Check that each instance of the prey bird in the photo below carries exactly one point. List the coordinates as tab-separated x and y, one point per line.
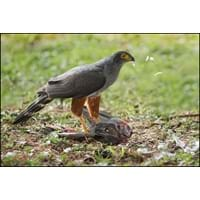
109	130
84	84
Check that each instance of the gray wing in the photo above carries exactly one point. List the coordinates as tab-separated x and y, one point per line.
76	83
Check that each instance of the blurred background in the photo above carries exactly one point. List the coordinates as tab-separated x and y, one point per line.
165	79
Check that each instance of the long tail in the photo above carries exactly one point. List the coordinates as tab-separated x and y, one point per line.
37	105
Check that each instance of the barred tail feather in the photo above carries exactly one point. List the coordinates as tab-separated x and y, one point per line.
37	105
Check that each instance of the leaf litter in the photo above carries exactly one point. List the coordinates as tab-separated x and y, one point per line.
155	142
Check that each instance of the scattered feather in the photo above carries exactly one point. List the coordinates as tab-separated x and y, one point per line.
48	142
68	149
178	142
22	142
163	154
30	154
144	151
54	134
149	58
162	146
45	153
158	73
10	154
194	148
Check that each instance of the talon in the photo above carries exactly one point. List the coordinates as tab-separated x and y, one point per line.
96	120
85	130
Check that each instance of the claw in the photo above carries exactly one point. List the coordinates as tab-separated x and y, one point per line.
96	120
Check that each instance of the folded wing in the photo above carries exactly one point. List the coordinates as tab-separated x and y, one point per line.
76	84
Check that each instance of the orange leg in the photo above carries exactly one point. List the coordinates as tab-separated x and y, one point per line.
77	109
93	107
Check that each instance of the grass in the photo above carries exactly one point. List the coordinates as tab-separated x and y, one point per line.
28	61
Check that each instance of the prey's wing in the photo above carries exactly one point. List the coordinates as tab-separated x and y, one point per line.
76	83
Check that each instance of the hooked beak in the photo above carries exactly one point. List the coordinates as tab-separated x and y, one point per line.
132	61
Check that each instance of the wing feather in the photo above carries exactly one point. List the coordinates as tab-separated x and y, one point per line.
76	83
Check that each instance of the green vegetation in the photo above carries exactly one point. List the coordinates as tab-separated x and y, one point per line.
164	82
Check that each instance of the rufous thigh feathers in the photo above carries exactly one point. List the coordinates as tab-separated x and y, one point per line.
77	106
77	109
93	107
92	104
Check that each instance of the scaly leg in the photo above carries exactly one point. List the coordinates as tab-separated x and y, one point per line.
93	107
77	109
84	126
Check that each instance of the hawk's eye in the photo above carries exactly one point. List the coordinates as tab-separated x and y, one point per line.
107	130
124	56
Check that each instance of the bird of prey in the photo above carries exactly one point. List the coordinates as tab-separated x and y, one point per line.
84	84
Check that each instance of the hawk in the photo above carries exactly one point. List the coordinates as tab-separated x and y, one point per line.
84	84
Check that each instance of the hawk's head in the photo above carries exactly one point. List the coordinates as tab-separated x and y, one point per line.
122	57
